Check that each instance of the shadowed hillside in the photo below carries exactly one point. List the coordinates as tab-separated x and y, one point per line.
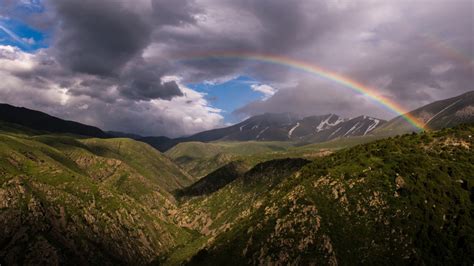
43	122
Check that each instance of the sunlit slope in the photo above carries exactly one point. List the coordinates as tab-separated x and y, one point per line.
85	201
199	158
401	200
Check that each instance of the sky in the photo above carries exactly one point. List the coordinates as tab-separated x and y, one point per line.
155	67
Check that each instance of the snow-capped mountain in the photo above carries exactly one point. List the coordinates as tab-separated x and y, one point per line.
271	127
341	128
282	127
312	129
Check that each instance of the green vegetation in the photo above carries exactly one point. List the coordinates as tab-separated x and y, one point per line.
200	159
92	201
403	200
407	200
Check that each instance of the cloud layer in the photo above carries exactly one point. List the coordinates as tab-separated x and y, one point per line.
109	62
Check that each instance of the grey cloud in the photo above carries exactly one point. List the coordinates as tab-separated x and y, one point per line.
271	27
107	39
171	12
312	97
142	80
99	37
112	55
401	42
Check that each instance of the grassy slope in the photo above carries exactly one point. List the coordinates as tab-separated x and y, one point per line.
231	205
200	159
63	198
405	200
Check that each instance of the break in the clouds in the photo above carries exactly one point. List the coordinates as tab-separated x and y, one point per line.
109	62
267	90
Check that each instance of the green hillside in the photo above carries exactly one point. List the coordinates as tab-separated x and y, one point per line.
200	159
403	200
85	201
407	200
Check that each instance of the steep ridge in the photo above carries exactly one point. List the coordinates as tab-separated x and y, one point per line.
215	180
407	200
441	114
316	129
231	205
86	201
43	122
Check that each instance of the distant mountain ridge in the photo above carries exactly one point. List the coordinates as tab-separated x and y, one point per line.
280	127
43	122
265	127
269	126
314	129
437	115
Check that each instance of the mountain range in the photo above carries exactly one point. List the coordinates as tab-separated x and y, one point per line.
72	194
268	126
316	129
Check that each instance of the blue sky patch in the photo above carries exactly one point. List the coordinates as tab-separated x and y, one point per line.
16	33
229	95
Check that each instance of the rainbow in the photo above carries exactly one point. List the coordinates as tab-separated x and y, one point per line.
448	51
317	71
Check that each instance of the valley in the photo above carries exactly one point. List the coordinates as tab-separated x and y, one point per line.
67	198
240	132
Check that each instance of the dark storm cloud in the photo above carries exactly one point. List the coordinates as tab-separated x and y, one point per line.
272	27
111	56
107	39
410	52
99	37
140	82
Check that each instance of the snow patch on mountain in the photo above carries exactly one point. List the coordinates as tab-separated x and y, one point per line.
293	129
325	124
261	132
335	131
372	126
354	127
